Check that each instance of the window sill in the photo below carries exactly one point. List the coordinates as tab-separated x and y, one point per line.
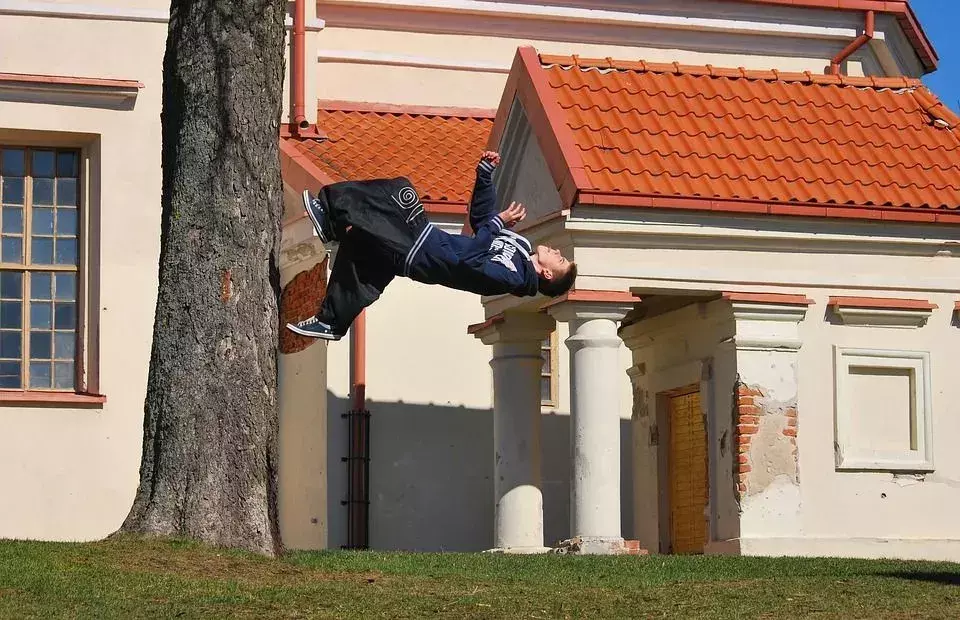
50	398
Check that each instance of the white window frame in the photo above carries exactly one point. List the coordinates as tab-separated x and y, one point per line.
849	458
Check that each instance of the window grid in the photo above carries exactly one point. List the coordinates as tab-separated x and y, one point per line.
39	268
548	371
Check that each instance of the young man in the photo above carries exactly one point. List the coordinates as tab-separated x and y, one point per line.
383	233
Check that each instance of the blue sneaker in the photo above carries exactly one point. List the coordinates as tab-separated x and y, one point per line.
318	215
314	328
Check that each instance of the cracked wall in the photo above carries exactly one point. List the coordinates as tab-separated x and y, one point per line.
766	441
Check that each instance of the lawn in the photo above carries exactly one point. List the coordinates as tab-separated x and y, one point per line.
131	578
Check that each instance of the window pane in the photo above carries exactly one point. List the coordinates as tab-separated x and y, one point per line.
10	344
67	192
42	251
11	249
10	375
67	164
11	285
66	251
545	368
43	164
43	221
13	220
40	284
11	314
65	345
41	345
63	375
545	388
67	222
66	286
40	374
12	163
13	190
65	316
41	315
43	191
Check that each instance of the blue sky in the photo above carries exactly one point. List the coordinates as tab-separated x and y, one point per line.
939	19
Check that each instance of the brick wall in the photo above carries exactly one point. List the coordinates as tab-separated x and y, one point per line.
778	421
299	300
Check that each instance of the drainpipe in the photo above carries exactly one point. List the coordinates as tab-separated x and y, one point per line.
358	442
299	55
854	45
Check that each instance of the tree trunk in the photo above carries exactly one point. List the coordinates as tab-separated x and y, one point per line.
210	428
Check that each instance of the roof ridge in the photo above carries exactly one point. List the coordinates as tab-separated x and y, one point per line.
771	75
366	107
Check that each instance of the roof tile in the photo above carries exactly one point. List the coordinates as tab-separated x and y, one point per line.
437	149
673	130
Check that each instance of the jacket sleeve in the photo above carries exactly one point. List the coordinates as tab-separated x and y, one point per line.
483	204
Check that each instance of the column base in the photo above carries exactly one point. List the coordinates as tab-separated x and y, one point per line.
520	550
599	545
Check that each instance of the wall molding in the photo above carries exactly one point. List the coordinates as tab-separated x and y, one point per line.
109	13
362	57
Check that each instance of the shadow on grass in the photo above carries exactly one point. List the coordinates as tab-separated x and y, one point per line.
946	578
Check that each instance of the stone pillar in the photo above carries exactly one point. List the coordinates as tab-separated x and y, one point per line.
766	483
516	363
595	378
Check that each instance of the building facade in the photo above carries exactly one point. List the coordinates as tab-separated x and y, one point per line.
470	449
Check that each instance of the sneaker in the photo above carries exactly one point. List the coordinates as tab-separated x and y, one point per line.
318	215
314	328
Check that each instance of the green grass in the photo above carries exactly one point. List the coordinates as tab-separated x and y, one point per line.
132	578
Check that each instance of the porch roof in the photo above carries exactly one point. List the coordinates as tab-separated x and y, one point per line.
639	134
436	148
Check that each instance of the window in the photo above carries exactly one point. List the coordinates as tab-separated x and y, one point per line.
548	372
39	268
883	416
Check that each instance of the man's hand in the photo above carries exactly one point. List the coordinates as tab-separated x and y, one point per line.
491	156
513	214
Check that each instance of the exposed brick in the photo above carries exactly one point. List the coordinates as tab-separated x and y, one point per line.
745	400
749	419
745	468
790	432
300	299
747	429
750	410
792	421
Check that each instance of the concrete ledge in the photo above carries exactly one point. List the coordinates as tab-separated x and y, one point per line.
932	549
520	550
598	545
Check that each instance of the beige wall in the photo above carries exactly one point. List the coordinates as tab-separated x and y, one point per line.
71	474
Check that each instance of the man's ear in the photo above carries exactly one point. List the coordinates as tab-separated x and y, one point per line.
546	274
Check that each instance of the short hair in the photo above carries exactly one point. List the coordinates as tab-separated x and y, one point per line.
558	286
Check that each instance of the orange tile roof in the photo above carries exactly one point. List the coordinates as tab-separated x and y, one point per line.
436	148
643	134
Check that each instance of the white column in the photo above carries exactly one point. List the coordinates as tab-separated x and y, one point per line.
595	381
516	363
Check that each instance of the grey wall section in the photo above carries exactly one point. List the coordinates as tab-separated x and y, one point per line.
431	476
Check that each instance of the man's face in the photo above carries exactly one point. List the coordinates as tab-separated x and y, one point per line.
552	262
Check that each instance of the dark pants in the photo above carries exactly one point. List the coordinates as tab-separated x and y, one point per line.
384	218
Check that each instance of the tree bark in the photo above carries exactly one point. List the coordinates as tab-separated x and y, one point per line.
210	425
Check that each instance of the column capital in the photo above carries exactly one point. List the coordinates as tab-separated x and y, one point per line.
767	321
583	304
509	327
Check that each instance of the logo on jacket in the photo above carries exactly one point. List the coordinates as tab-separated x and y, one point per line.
504	254
408	200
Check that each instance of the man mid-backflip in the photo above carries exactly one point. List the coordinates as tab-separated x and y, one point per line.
383	233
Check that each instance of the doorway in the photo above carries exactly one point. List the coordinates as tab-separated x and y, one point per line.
687	472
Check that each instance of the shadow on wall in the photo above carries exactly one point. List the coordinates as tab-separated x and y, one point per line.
431	476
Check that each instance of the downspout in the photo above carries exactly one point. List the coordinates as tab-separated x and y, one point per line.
854	45
299	56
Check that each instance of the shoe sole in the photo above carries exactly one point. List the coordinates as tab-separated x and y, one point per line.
302	332
316	225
